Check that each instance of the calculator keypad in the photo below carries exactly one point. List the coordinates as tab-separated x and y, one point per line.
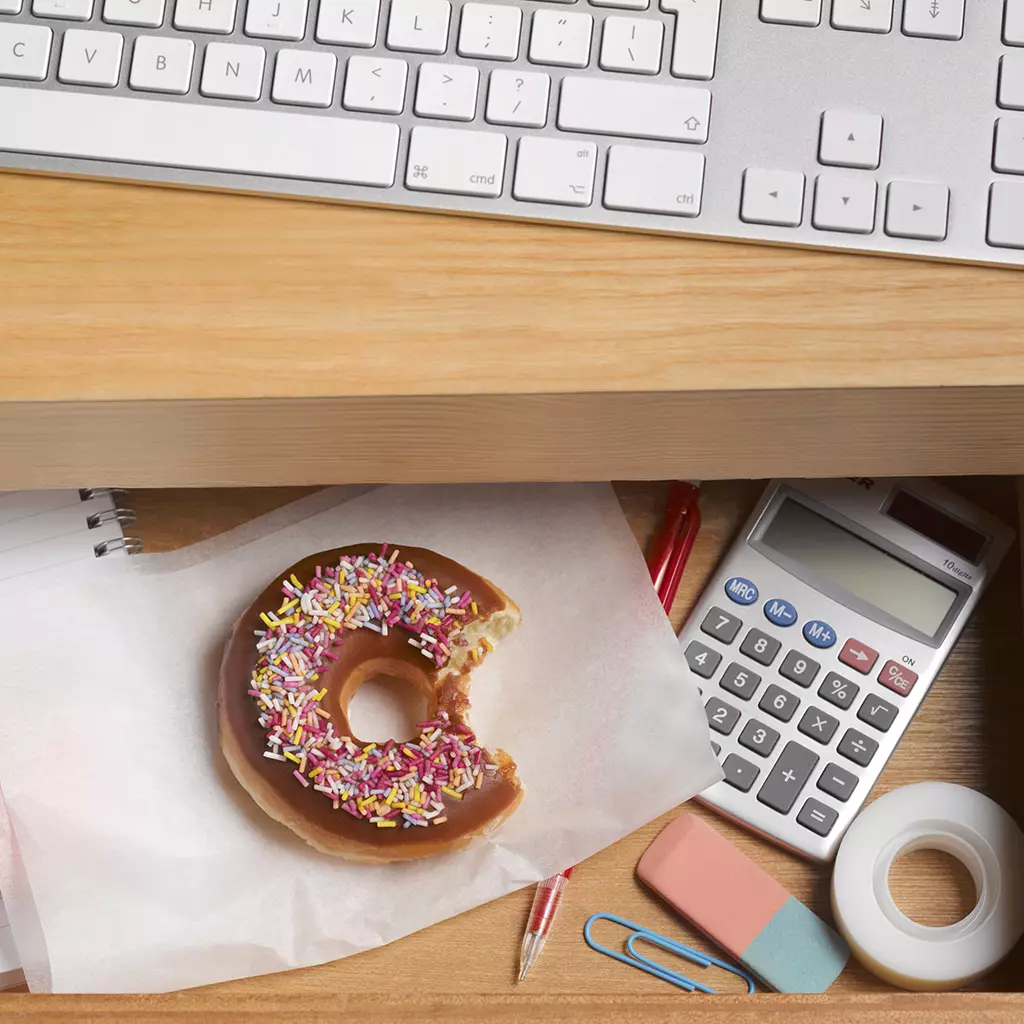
739	681
796	735
759	738
818	725
779	703
760	647
857	747
798	668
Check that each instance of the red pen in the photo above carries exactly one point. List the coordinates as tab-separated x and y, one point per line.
666	562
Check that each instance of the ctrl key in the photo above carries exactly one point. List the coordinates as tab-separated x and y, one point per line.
651	180
1006	215
454	160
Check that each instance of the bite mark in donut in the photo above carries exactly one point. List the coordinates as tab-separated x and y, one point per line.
305	646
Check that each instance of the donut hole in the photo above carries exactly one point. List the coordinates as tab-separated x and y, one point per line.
384	701
932	887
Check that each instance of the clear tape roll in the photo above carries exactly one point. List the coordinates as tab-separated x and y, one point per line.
936	816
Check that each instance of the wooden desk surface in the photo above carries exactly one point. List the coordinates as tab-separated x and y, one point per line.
979	690
151	336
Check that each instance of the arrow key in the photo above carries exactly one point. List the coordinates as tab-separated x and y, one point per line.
843	202
850	140
917	209
772	197
858	656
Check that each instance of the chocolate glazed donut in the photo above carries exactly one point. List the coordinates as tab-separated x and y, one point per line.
301	650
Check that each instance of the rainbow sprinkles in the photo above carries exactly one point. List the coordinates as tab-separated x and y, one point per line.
394	783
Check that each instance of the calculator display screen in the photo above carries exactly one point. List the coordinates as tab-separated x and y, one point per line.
860	568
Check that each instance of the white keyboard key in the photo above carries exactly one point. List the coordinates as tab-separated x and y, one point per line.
304	77
447	90
772	197
10	6
934	19
233	72
850	140
560	38
1011	80
420	26
276	19
695	43
68	10
145	13
205	136
625	5
490	31
1009	152
791	12
636	109
844	203
162	64
90	58
375	84
1006	215
348	22
205	15
24	51
917	209
863	15
654	180
469	163
631	44
1013	23
555	171
518	97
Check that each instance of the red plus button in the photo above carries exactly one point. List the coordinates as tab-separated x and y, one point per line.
858	656
899	679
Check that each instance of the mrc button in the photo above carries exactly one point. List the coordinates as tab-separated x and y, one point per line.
897	677
740	590
819	634
782	613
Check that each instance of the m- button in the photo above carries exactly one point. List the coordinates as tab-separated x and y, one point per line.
858	656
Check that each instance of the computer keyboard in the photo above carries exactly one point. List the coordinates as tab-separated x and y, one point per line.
886	126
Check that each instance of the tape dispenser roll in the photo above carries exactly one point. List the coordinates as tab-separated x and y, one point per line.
935	816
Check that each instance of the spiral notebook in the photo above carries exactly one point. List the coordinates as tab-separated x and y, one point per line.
41	530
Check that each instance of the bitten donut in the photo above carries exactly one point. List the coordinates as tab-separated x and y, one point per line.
299	653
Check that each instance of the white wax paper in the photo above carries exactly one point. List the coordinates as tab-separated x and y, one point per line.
137	861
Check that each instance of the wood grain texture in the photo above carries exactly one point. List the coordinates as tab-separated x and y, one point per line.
698	435
966	732
116	294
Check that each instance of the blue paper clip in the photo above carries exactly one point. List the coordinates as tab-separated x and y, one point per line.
643	963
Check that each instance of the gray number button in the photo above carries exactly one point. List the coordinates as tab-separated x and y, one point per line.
740	681
701	659
837	782
779	703
721	717
857	747
760	646
798	669
838	691
721	625
787	778
740	773
716	748
877	712
818	725
816	816
761	739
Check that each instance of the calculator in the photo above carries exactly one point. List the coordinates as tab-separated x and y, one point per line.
819	636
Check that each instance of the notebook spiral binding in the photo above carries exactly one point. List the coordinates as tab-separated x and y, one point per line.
119	514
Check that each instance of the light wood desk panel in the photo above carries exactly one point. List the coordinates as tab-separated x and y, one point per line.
465	967
561	352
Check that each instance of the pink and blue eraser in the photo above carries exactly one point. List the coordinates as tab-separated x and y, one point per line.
741	908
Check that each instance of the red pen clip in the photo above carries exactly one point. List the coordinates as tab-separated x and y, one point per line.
675	540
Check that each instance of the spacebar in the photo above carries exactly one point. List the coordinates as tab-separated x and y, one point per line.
211	138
